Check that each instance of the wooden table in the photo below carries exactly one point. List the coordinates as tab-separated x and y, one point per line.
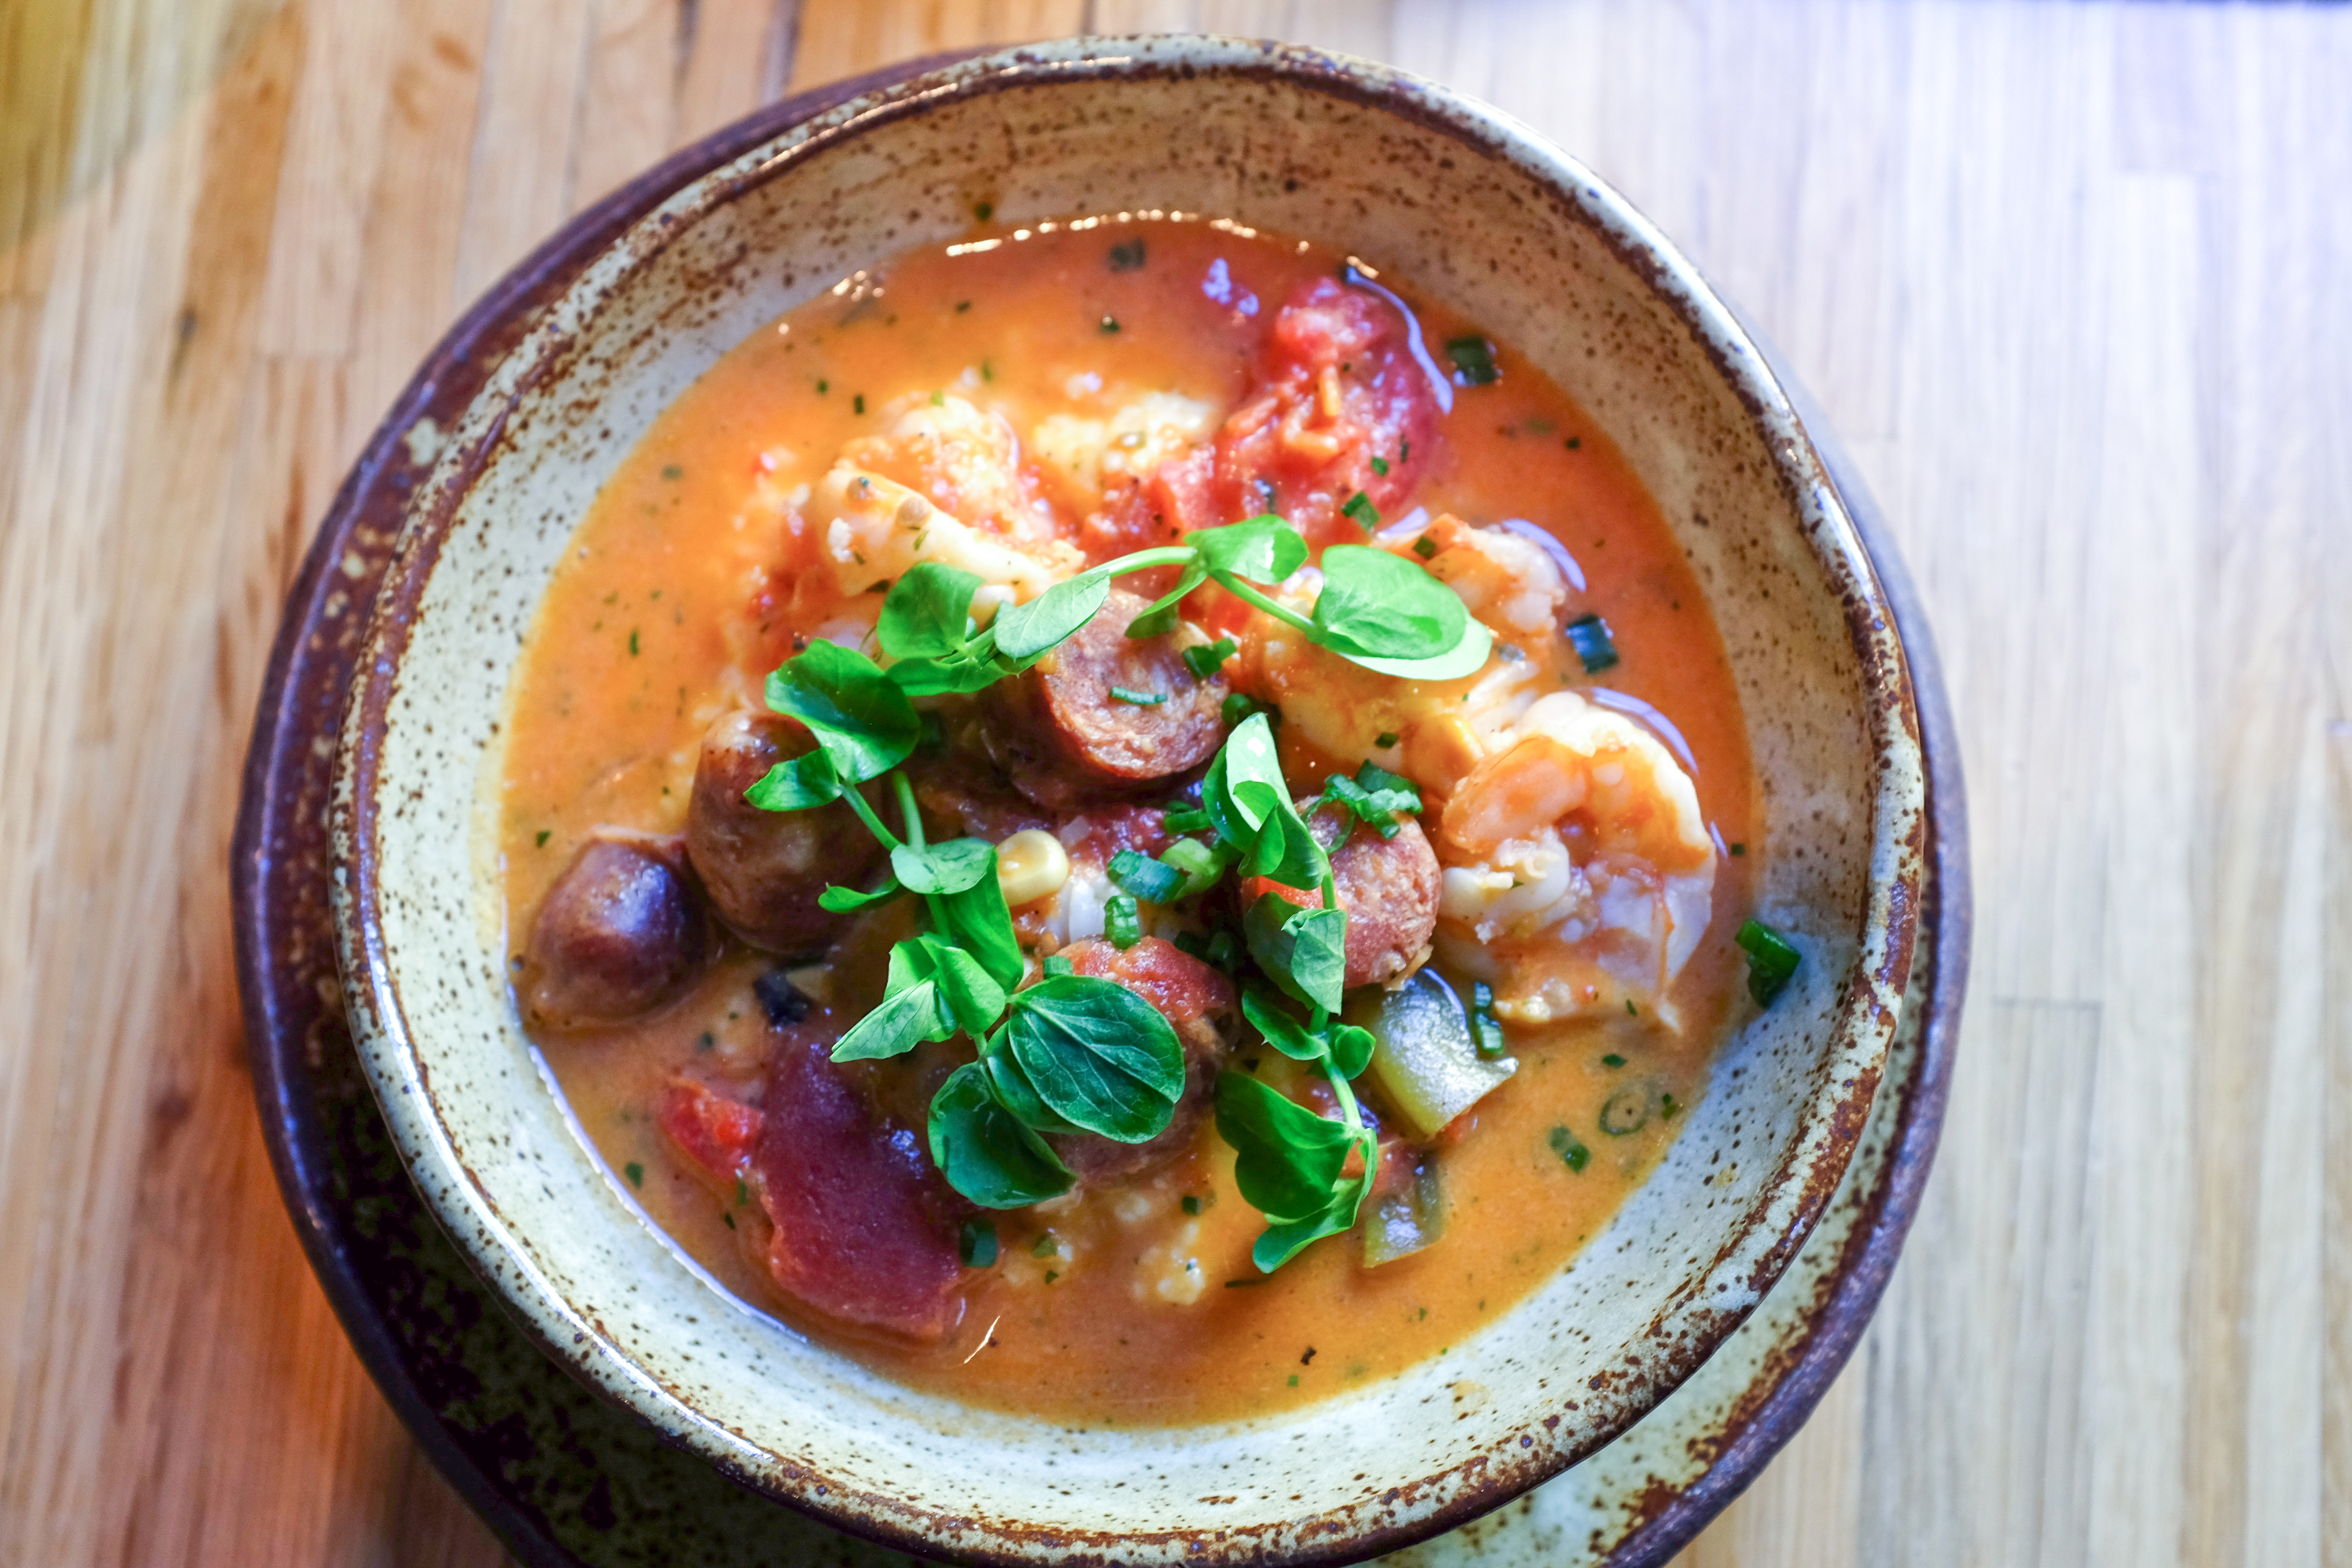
2068	279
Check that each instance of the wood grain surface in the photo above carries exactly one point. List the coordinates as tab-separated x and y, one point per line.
2068	279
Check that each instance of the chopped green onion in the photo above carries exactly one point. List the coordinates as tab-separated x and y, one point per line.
977	1244
1740	849
1140	698
1770	960
1381	467
1122	923
1191	1203
983	212
1221	952
1632	1011
1668	1105
1200	865
1424	547
857	404
1238	708
1110	324
1473	361
1046	1245
1589	635
1570	1149
1360	508
1147	879
1625	1111
544	835
1613	1061
1185	818
1128	257
1486	1029
635	1173
1386	738
1205	662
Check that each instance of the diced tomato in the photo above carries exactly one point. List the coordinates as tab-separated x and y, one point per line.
864	1225
1182	987
1172	500
717	1134
1256	888
1341	407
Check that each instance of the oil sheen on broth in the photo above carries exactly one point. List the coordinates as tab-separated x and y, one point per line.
1065	394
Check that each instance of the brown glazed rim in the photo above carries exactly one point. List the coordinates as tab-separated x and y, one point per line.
1869	1008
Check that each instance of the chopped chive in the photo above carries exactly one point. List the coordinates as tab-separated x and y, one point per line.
541	840
984	211
938	400
742	1192
632	642
1386	738
1574	443
977	1244
1770	960
1045	1246
707	1042
1126	256
1052	1275
1110	324
1485	1027
962	306
1381	467
1668	1105
1424	547
1474	360
1243	1285
1205	662
823	386
672	471
1570	1149
1191	1203
1140	698
1589	635
1740	849
729	1218
857	404
1184	818
1613	1061
1294	1380
635	1173
1144	878
1360	508
1632	1011
1123	924
987	371
1624	1112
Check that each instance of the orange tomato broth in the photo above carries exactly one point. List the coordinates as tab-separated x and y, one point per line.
649	630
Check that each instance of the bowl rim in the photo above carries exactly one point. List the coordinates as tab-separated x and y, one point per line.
1830	1122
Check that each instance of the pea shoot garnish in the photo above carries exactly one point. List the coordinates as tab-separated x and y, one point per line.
1080	1054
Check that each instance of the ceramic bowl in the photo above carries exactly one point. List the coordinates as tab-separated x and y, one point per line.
1473	209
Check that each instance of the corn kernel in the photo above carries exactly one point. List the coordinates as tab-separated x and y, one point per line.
1031	864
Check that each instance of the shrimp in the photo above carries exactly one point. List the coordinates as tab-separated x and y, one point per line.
942	483
1505	580
1578	871
1091	458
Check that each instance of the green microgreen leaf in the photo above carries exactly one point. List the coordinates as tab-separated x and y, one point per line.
978	921
1287	1159
950	867
1263	548
1206	660
902	1022
974	999
925	612
1304	952
861	719
1283	1029
1351	1049
797	785
1026	631
1054	963
1380	603
1771	961
844	901
1144	878
1099	1056
1016	1093
984	1151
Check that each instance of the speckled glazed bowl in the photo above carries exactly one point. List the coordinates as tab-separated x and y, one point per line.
1473	208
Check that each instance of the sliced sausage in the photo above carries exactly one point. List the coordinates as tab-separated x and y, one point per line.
766	870
1388	886
1060	734
618	934
1198	1002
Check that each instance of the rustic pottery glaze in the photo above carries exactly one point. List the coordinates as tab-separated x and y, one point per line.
1471	208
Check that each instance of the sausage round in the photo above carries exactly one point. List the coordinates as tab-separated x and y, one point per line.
1389	887
764	869
618	935
1060	734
